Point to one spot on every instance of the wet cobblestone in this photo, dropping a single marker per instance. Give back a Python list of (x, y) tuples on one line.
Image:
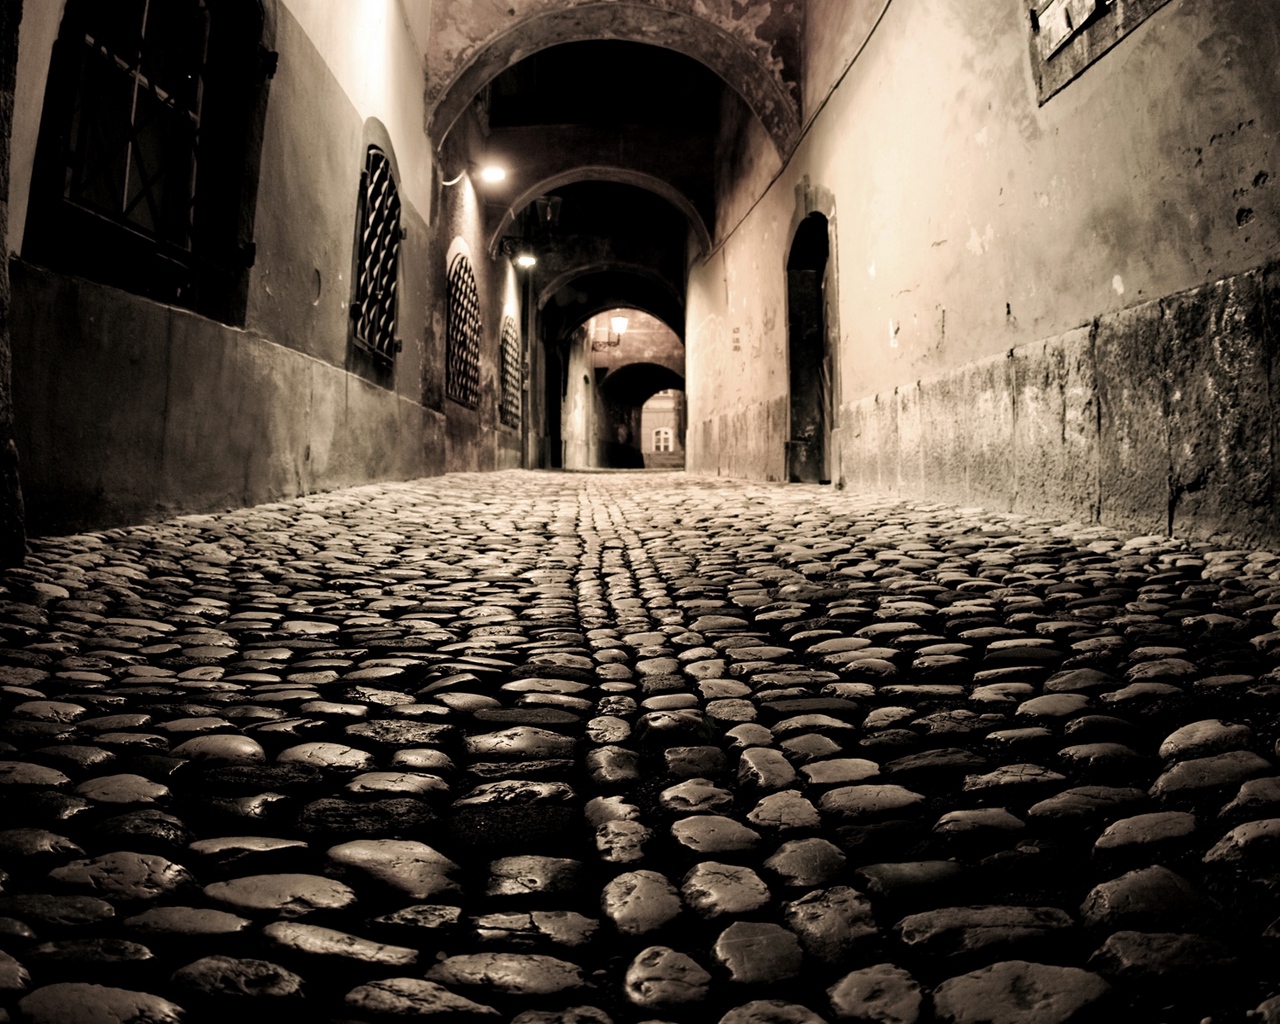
[(580, 749)]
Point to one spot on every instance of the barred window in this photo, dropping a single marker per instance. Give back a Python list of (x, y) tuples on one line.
[(147, 160), (373, 312), (509, 410), (462, 338)]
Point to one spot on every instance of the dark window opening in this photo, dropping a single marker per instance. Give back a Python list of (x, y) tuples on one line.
[(145, 170), (373, 311), (509, 353), (1069, 35), (462, 338)]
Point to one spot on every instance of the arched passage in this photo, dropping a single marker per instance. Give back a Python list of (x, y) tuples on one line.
[(584, 296), (749, 73), (598, 172), (808, 354), (623, 394)]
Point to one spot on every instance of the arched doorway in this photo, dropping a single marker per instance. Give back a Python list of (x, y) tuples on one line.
[(809, 358)]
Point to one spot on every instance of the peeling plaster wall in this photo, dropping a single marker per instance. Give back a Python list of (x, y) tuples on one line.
[(1020, 324), (832, 32), (129, 410)]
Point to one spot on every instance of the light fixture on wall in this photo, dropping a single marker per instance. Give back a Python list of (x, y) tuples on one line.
[(520, 252), (617, 328), (489, 173)]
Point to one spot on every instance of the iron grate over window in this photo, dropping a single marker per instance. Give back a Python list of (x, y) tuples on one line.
[(462, 355), (146, 167), (373, 312), (509, 410), (131, 154)]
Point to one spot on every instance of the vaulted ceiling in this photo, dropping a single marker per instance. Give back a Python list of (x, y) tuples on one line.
[(615, 110)]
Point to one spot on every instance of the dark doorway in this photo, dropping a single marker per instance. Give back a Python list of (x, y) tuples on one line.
[(808, 355)]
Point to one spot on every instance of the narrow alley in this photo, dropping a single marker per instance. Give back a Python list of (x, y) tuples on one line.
[(590, 748)]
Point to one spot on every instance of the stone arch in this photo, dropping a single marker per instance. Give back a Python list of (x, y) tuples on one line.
[(374, 133), (608, 289), (619, 270), (697, 38), (598, 172), (645, 379), (623, 393)]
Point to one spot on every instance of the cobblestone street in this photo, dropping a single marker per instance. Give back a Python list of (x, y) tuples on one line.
[(590, 748)]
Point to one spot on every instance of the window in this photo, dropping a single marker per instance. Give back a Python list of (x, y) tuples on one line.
[(373, 313), (509, 353), (462, 337), (146, 166), (1069, 35), (662, 439)]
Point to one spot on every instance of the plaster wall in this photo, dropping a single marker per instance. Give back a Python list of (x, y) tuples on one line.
[(128, 409), (373, 50), (975, 234), (36, 34)]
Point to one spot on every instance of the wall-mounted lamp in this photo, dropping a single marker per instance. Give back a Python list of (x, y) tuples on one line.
[(519, 251), (617, 328), (490, 173)]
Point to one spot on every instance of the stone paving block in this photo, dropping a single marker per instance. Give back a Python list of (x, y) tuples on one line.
[(1019, 992), (883, 993), (536, 716)]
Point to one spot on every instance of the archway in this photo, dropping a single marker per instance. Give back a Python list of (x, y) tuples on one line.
[(744, 59), (809, 358)]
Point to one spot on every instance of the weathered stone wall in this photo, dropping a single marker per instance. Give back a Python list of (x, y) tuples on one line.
[(580, 406), (187, 414), (12, 529), (1085, 236), (1157, 418)]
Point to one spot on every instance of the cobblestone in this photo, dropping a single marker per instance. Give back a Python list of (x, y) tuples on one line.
[(610, 749)]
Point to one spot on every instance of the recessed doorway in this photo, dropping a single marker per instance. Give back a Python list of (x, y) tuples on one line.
[(809, 357)]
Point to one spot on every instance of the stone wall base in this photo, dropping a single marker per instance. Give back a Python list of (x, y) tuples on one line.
[(1160, 418), (129, 411)]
